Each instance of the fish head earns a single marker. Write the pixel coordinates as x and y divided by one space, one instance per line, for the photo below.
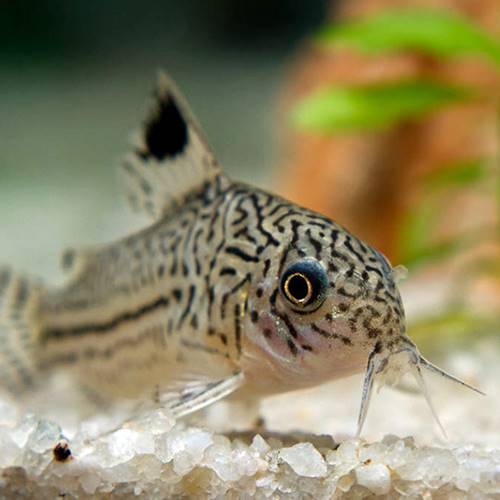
328 307
326 301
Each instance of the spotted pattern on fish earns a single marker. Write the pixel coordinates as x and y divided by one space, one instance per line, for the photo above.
198 277
230 287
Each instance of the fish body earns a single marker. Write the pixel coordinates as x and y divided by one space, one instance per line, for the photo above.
230 289
200 288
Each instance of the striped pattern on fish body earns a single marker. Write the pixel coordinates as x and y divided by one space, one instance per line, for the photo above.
230 288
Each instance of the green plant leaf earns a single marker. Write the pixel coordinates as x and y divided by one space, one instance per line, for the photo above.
437 32
416 232
459 174
337 109
431 252
416 235
451 327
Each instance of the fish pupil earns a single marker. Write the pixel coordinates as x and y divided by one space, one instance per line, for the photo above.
304 283
298 287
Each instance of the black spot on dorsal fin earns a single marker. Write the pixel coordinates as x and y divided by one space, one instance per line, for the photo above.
170 159
166 131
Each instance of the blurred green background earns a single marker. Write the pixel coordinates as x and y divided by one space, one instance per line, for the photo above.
74 82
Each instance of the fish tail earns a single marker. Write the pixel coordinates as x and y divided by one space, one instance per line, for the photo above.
19 307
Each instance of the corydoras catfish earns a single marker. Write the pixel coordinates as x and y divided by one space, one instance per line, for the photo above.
230 289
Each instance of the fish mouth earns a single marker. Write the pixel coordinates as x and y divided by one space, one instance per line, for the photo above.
410 360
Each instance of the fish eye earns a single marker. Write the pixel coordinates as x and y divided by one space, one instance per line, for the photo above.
304 284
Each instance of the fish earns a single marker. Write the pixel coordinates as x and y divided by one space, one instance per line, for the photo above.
230 291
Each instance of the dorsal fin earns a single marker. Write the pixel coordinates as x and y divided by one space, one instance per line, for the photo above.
170 157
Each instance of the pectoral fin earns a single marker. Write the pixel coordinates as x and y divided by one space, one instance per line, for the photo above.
203 394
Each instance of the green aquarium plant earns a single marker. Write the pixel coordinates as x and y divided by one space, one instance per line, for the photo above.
435 32
335 109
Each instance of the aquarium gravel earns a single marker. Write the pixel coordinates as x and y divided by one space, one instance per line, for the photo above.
154 456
